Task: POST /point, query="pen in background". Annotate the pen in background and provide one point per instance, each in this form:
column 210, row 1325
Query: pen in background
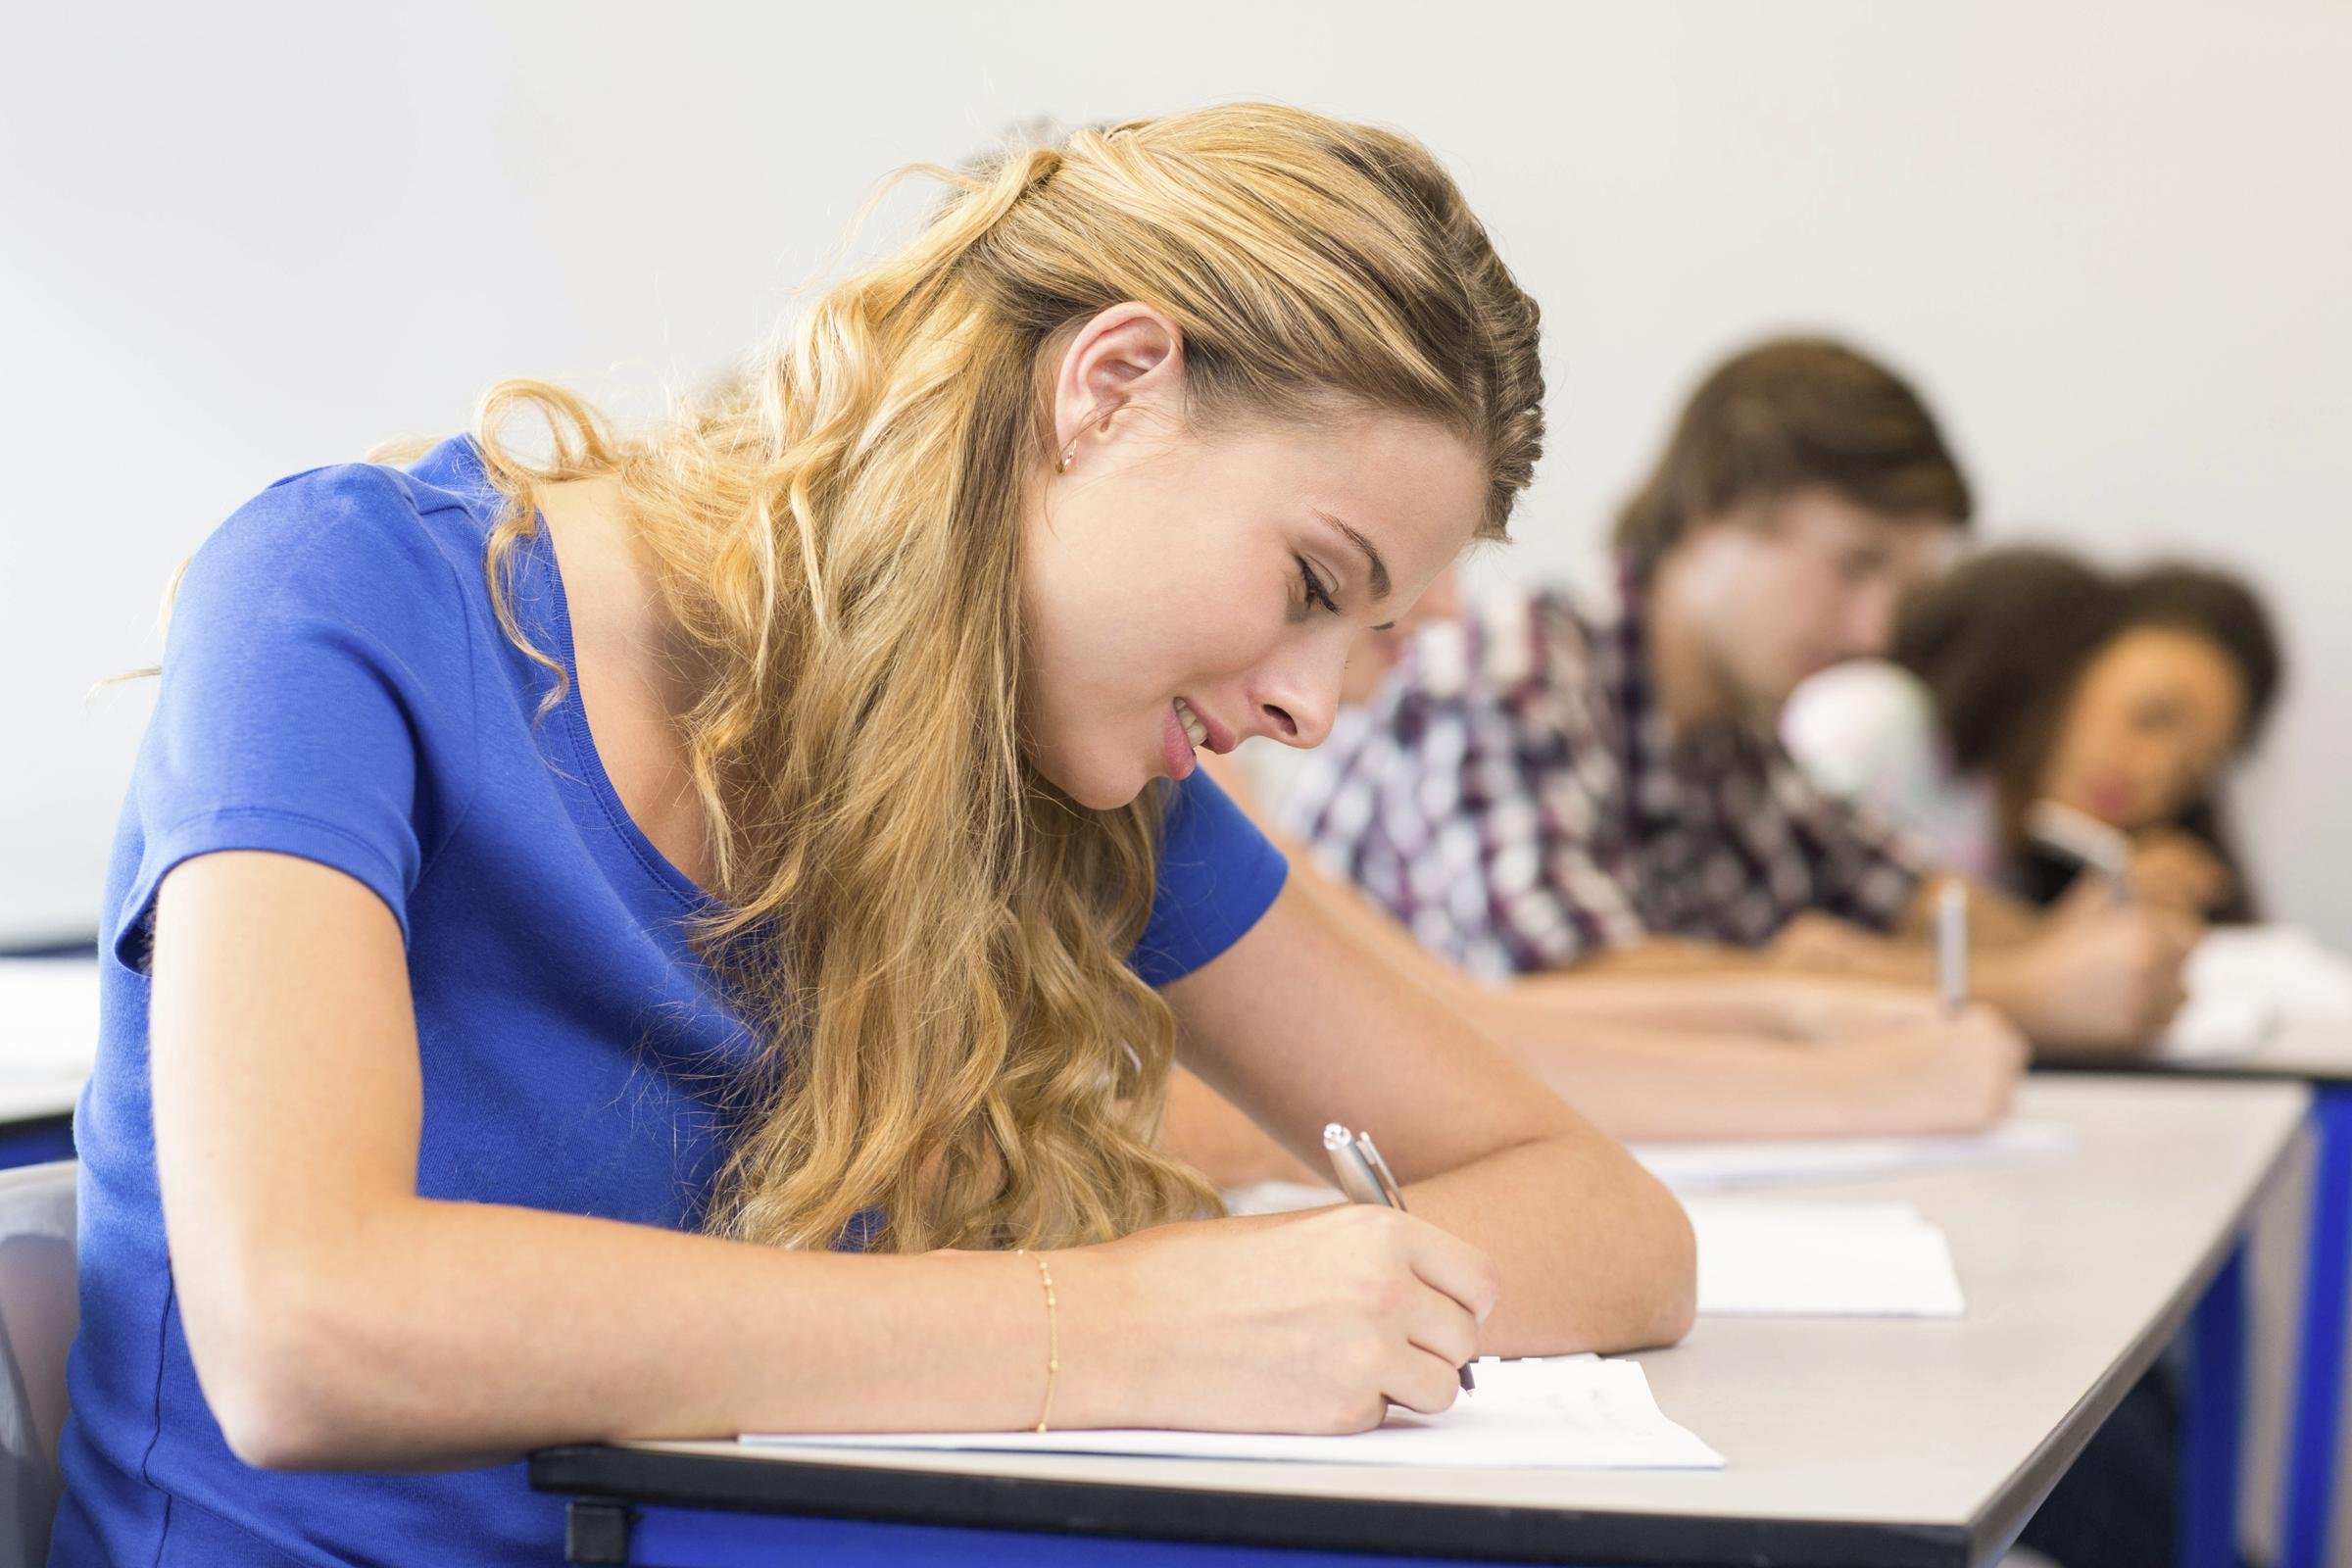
column 1365, row 1178
column 1951, row 947
column 2081, row 837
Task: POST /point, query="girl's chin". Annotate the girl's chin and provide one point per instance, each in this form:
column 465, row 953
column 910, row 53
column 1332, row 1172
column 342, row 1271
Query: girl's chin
column 1101, row 789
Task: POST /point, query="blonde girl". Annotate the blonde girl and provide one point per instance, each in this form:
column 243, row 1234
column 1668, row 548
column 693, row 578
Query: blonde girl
column 689, row 934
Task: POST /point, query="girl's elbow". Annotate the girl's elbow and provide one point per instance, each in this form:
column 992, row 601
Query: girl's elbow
column 1678, row 1297
column 264, row 1354
column 1668, row 1299
column 1676, row 1311
column 268, row 1429
column 270, row 1415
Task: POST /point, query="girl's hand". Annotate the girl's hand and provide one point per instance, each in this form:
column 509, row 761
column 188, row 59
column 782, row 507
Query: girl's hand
column 1310, row 1323
column 2103, row 974
column 2177, row 872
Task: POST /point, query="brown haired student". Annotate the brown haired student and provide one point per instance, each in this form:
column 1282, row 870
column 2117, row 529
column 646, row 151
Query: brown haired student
column 1590, row 778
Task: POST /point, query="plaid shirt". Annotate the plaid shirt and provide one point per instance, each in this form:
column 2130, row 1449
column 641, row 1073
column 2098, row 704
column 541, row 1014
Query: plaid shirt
column 1515, row 798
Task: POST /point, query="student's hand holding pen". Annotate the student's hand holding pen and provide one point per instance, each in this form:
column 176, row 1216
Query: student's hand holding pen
column 1936, row 1074
column 2103, row 974
column 2177, row 872
column 1315, row 1324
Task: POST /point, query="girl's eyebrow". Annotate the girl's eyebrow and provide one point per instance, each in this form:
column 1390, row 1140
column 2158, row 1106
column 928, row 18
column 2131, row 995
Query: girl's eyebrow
column 1379, row 568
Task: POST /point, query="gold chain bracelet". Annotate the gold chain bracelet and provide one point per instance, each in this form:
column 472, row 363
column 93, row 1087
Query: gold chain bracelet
column 1045, row 1277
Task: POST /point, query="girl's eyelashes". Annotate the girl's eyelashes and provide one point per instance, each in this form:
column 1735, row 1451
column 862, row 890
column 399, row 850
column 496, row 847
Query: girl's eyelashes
column 1316, row 593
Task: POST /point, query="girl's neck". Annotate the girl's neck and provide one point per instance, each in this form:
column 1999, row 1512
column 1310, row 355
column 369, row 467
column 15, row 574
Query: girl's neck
column 639, row 674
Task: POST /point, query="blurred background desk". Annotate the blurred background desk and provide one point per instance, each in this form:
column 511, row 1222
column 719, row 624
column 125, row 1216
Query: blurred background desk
column 48, row 1040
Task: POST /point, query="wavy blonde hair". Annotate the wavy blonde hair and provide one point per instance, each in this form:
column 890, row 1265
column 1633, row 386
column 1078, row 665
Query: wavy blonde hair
column 928, row 941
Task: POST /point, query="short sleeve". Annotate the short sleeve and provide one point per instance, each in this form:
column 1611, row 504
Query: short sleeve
column 1219, row 874
column 1865, row 731
column 1866, row 734
column 316, row 675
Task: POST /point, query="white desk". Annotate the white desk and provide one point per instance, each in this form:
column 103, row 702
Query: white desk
column 2319, row 1052
column 1883, row 1443
column 39, row 1097
column 48, row 1040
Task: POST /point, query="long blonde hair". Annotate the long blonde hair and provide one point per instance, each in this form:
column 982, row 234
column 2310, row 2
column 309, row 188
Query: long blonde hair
column 928, row 941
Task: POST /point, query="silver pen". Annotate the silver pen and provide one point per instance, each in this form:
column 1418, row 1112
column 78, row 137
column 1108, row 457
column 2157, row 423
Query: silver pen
column 2079, row 836
column 1952, row 945
column 1365, row 1178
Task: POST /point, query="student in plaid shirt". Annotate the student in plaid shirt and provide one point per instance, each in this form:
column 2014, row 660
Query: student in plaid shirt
column 1590, row 778
column 1643, row 1056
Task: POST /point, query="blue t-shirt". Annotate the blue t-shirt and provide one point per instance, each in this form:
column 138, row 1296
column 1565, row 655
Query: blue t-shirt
column 336, row 686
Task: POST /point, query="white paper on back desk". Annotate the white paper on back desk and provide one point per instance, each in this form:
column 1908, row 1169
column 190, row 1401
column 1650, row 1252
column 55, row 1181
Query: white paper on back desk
column 1697, row 1166
column 1567, row 1412
column 1772, row 1257
column 1776, row 1258
column 2245, row 980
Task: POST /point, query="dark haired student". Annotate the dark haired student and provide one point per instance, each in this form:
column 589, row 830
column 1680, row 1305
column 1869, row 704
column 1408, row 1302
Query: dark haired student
column 2025, row 674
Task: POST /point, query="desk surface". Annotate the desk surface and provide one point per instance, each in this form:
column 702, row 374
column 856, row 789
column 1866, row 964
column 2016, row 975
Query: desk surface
column 1849, row 1441
column 37, row 1098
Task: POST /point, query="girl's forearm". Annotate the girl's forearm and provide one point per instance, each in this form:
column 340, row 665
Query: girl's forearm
column 434, row 1334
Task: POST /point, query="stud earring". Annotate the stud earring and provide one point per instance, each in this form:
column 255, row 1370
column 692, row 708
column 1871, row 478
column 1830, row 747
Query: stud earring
column 1068, row 455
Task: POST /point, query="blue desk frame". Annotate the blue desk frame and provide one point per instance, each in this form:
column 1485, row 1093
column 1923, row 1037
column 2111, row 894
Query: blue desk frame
column 703, row 1538
column 2315, row 1447
column 36, row 1139
column 654, row 1509
column 2213, row 1431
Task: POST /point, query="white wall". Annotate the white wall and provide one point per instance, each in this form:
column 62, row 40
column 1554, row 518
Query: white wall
column 2112, row 240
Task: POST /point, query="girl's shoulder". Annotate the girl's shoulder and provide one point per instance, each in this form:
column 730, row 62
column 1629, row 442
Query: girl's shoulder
column 365, row 527
column 391, row 554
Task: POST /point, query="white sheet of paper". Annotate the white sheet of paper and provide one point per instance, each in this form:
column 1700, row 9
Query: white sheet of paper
column 1571, row 1412
column 2245, row 981
column 2218, row 1028
column 1278, row 1197
column 1772, row 1258
column 48, row 1017
column 1698, row 1167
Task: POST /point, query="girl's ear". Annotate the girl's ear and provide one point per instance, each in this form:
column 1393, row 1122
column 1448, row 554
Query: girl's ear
column 1129, row 358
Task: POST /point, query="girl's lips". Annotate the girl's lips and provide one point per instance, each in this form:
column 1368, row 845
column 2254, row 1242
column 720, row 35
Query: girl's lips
column 1219, row 739
column 1176, row 747
column 2111, row 800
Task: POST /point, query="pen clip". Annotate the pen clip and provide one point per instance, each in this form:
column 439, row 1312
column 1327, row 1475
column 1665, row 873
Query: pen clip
column 1353, row 1173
